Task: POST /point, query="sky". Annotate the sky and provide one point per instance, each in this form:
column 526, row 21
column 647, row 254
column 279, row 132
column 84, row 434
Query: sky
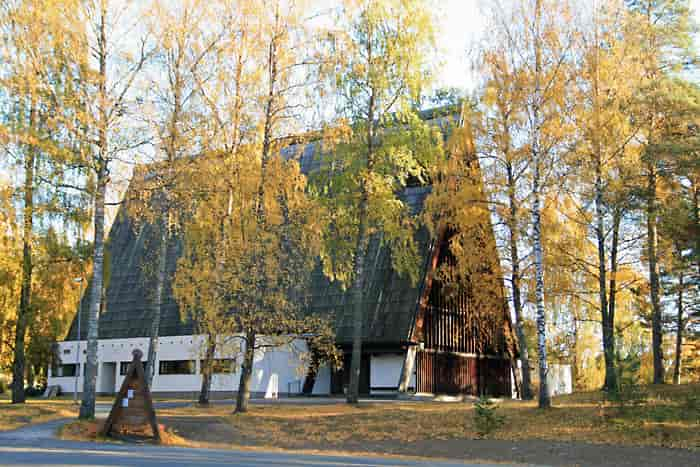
column 460, row 23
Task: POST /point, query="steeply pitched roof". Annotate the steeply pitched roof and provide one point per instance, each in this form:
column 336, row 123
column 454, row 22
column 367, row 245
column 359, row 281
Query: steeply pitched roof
column 127, row 311
column 390, row 300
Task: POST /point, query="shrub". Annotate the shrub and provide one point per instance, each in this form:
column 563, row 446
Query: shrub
column 3, row 385
column 486, row 420
column 628, row 393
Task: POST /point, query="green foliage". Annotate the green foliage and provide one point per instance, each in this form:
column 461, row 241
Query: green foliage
column 486, row 420
column 629, row 392
column 379, row 144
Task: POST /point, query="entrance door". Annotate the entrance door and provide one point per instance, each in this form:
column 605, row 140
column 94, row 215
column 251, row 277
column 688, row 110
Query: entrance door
column 108, row 377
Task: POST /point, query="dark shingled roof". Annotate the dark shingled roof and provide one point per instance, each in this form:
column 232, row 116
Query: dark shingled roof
column 390, row 301
column 127, row 311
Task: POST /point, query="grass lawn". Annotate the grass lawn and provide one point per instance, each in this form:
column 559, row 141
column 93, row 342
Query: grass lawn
column 667, row 418
column 14, row 416
column 663, row 420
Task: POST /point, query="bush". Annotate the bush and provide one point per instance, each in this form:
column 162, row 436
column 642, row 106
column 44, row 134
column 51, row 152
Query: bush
column 486, row 420
column 628, row 393
column 3, row 385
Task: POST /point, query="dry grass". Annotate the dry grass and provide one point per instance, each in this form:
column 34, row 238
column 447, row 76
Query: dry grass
column 13, row 416
column 89, row 430
column 662, row 421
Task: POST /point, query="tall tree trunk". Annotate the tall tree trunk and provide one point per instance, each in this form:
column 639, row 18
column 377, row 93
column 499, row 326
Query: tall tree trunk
column 609, row 338
column 87, row 406
column 18, row 365
column 574, row 357
column 207, row 369
column 607, row 324
column 243, row 396
column 544, row 399
column 157, row 304
column 515, row 285
column 679, row 330
column 261, row 221
column 30, row 375
column 656, row 329
column 696, row 217
column 608, row 328
column 358, row 269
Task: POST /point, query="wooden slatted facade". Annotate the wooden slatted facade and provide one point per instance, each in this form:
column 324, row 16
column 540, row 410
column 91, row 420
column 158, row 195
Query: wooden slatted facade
column 464, row 350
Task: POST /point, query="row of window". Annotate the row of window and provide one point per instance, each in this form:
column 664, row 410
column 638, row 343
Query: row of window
column 165, row 367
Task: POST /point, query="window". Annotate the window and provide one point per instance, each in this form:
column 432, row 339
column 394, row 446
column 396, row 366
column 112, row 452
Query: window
column 220, row 365
column 176, row 367
column 124, row 365
column 68, row 369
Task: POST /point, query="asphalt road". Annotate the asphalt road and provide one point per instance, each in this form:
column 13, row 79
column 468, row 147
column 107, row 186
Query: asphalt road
column 46, row 452
column 36, row 445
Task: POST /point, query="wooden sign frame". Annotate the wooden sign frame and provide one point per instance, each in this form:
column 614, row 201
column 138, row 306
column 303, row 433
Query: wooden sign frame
column 134, row 384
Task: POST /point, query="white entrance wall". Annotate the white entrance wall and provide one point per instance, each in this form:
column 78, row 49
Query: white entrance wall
column 384, row 373
column 277, row 370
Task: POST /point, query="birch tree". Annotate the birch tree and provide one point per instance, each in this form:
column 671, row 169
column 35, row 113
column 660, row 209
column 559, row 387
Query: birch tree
column 184, row 44
column 541, row 45
column 505, row 168
column 605, row 153
column 38, row 114
column 114, row 67
column 264, row 226
column 385, row 49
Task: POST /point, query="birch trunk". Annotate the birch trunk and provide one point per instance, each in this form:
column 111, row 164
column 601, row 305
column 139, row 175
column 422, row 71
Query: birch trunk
column 353, row 394
column 157, row 304
column 261, row 221
column 358, row 269
column 18, row 364
column 544, row 399
column 87, row 406
column 243, row 396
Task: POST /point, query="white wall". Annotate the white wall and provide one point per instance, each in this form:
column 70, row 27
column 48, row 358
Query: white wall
column 559, row 379
column 385, row 372
column 276, row 369
column 322, row 385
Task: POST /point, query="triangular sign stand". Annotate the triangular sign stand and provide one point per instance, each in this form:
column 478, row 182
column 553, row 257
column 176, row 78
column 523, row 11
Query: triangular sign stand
column 132, row 411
